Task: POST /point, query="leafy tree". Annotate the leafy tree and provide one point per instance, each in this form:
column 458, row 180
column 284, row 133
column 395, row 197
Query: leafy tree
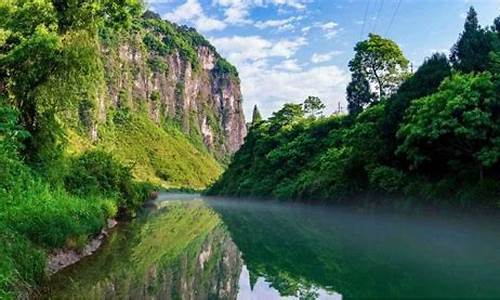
column 49, row 60
column 11, row 133
column 457, row 126
column 288, row 114
column 495, row 45
column 423, row 82
column 313, row 106
column 382, row 63
column 496, row 24
column 470, row 53
column 358, row 93
column 256, row 117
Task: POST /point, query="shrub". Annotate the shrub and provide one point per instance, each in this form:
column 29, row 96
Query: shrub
column 98, row 173
column 387, row 179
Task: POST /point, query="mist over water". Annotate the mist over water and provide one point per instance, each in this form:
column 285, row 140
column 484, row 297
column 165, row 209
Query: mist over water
column 200, row 248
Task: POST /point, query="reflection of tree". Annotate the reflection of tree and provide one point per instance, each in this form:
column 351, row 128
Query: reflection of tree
column 183, row 253
column 277, row 246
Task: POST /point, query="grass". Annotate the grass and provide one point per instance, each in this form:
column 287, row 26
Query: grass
column 35, row 217
column 162, row 156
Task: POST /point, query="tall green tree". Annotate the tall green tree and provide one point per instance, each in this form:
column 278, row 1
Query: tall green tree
column 382, row 63
column 423, row 82
column 313, row 106
column 49, row 59
column 455, row 128
column 256, row 117
column 471, row 51
column 290, row 113
column 358, row 93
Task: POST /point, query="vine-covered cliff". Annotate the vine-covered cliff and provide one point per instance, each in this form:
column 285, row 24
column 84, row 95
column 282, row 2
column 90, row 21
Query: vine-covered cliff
column 173, row 81
column 176, row 76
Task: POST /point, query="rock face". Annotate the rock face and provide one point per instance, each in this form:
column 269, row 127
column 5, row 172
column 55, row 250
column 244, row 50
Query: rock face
column 176, row 76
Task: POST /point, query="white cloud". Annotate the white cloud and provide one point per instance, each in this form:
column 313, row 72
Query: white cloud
column 192, row 11
column 330, row 29
column 291, row 65
column 237, row 11
column 245, row 49
column 269, row 87
column 281, row 24
column 324, row 57
column 328, row 26
column 158, row 1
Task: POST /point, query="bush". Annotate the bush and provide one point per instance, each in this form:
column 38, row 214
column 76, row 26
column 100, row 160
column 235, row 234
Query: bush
column 98, row 173
column 387, row 179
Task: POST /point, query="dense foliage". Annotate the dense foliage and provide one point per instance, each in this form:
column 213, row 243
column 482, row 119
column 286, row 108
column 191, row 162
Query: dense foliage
column 57, row 184
column 432, row 135
column 61, row 178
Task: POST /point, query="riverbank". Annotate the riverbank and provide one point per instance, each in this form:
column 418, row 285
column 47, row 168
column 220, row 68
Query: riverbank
column 38, row 215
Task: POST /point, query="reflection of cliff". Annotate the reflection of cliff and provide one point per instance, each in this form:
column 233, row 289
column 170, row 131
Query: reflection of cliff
column 184, row 253
column 282, row 248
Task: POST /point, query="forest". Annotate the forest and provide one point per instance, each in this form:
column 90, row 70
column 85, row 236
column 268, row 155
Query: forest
column 429, row 137
column 75, row 151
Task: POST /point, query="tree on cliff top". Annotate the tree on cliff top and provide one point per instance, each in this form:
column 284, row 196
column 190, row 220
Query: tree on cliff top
column 256, row 117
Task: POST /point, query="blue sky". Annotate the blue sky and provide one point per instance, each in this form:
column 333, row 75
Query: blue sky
column 286, row 50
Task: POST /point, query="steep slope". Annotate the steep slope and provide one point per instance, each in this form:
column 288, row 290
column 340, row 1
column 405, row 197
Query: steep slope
column 169, row 103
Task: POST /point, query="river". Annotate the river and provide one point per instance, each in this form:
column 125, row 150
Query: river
column 215, row 248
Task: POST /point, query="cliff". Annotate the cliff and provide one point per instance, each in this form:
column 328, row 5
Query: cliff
column 169, row 77
column 178, row 76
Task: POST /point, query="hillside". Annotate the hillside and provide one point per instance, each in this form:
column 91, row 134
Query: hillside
column 429, row 138
column 100, row 104
column 169, row 104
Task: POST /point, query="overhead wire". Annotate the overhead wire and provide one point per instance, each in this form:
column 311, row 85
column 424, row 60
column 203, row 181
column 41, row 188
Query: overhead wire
column 375, row 23
column 393, row 17
column 364, row 19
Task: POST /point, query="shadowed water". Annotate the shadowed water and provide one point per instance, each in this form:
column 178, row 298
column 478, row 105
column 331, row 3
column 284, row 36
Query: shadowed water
column 216, row 248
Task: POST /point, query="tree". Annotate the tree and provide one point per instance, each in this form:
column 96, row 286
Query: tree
column 50, row 60
column 455, row 127
column 313, row 106
column 358, row 94
column 496, row 25
column 424, row 82
column 256, row 117
column 470, row 53
column 288, row 114
column 381, row 62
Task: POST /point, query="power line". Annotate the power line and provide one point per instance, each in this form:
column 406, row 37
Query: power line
column 393, row 17
column 364, row 19
column 378, row 15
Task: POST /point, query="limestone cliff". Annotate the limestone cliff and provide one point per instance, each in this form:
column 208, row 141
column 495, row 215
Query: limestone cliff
column 176, row 77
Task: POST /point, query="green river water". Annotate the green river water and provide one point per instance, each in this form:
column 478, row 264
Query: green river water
column 216, row 248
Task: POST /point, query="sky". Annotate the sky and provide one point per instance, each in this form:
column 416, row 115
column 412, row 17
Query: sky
column 286, row 50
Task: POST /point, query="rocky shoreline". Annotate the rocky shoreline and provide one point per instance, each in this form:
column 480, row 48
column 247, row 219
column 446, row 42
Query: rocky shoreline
column 62, row 258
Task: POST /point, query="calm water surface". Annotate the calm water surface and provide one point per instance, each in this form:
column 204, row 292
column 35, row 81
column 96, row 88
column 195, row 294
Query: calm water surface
column 216, row 248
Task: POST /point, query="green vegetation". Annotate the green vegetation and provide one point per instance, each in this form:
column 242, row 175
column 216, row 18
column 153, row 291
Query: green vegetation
column 168, row 250
column 432, row 136
column 76, row 144
column 162, row 156
column 224, row 67
column 163, row 38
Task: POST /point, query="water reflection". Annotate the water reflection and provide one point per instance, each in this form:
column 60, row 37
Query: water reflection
column 188, row 248
column 184, row 252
